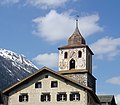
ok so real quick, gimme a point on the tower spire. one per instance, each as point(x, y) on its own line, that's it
point(76, 38)
point(77, 21)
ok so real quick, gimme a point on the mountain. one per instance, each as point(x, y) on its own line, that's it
point(13, 68)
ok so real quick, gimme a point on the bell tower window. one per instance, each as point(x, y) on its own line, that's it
point(72, 64)
point(79, 54)
point(65, 55)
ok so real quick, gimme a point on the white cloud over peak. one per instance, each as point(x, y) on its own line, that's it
point(49, 60)
point(57, 26)
point(106, 48)
point(117, 98)
point(44, 4)
point(3, 2)
point(114, 80)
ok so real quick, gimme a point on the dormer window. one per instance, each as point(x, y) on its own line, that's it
point(65, 55)
point(79, 54)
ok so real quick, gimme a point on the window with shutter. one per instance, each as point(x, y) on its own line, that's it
point(74, 96)
point(45, 97)
point(23, 97)
point(61, 97)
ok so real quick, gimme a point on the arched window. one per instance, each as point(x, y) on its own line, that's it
point(72, 64)
point(79, 54)
point(65, 55)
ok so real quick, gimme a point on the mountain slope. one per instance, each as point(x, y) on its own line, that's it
point(13, 68)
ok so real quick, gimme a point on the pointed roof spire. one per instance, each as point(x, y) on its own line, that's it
point(77, 21)
point(76, 38)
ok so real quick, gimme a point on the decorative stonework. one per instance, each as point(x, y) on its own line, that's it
point(80, 78)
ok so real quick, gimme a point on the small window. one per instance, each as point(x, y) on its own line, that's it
point(75, 96)
point(54, 84)
point(61, 97)
point(79, 54)
point(23, 97)
point(65, 55)
point(45, 97)
point(38, 85)
point(46, 76)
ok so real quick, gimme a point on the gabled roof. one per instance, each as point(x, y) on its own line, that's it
point(106, 98)
point(44, 70)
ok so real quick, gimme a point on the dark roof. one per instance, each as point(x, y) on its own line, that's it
point(76, 38)
point(44, 70)
point(106, 98)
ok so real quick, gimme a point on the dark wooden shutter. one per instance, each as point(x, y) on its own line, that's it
point(49, 97)
point(71, 97)
point(27, 97)
point(20, 98)
point(79, 96)
point(65, 97)
point(58, 97)
point(42, 98)
point(36, 85)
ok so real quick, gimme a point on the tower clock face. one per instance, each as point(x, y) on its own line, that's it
point(73, 54)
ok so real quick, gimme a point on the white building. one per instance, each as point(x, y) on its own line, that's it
point(73, 84)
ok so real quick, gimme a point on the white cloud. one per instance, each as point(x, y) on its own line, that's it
point(44, 4)
point(106, 47)
point(49, 60)
point(57, 26)
point(3, 2)
point(117, 98)
point(114, 80)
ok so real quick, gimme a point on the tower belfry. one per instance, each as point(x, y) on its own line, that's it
point(75, 59)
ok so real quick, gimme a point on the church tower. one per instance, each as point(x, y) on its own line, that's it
point(75, 60)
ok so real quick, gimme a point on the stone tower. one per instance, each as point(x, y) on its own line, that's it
point(75, 60)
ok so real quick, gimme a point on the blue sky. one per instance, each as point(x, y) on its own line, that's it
point(36, 28)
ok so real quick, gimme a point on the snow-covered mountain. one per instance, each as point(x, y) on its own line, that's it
point(13, 68)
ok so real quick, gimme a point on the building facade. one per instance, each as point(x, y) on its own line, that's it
point(73, 84)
